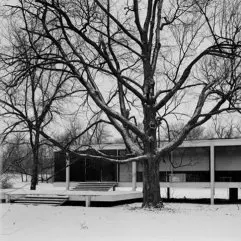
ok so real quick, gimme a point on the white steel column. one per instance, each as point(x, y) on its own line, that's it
point(117, 172)
point(117, 166)
point(67, 176)
point(212, 174)
point(133, 176)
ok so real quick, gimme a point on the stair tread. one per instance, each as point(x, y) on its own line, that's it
point(90, 190)
point(40, 199)
point(96, 183)
point(35, 199)
point(47, 204)
point(28, 201)
point(107, 184)
point(46, 196)
point(94, 186)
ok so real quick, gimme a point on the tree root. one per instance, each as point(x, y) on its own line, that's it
point(151, 206)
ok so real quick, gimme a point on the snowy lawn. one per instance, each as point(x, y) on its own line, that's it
point(175, 222)
point(222, 193)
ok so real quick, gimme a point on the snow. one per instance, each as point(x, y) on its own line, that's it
point(222, 193)
point(127, 222)
point(175, 222)
point(49, 188)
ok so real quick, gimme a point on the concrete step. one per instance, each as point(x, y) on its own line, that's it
point(96, 183)
point(92, 189)
point(94, 186)
point(36, 202)
point(49, 196)
point(104, 186)
point(41, 199)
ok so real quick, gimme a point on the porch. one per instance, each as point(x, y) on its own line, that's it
point(73, 196)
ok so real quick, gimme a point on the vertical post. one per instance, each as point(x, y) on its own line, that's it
point(85, 169)
point(133, 176)
point(117, 172)
point(117, 166)
point(170, 179)
point(67, 171)
point(7, 198)
point(212, 174)
point(87, 201)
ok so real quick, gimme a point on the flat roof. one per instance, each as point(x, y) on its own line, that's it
point(189, 143)
point(212, 142)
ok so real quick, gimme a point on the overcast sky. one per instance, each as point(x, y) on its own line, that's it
point(104, 83)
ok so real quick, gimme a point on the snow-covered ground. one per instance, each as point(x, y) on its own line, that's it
point(222, 193)
point(195, 193)
point(175, 222)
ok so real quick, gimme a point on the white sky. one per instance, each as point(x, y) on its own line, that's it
point(104, 83)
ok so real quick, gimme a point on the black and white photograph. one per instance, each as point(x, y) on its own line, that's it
point(120, 120)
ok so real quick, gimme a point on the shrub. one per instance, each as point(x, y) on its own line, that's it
point(5, 182)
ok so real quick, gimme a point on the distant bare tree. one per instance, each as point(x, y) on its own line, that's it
point(223, 129)
point(77, 136)
point(31, 98)
point(174, 130)
point(46, 161)
point(16, 157)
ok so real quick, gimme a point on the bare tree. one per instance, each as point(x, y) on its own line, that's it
point(16, 157)
point(149, 55)
point(223, 128)
point(31, 98)
point(78, 136)
point(46, 164)
point(174, 130)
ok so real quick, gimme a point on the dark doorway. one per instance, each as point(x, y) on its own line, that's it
point(92, 171)
point(108, 171)
point(77, 169)
point(100, 171)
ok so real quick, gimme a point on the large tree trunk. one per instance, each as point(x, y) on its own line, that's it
point(151, 186)
point(35, 150)
point(22, 176)
point(34, 179)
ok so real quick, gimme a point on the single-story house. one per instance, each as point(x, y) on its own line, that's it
point(196, 163)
